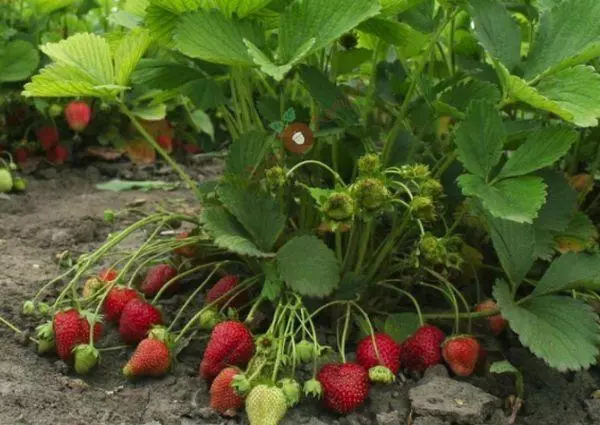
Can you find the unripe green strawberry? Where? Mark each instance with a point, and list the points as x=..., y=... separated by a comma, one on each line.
x=370, y=193
x=306, y=351
x=45, y=337
x=208, y=319
x=266, y=405
x=369, y=164
x=6, y=181
x=19, y=184
x=291, y=390
x=313, y=388
x=28, y=308
x=86, y=357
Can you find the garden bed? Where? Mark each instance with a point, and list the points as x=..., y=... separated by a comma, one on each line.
x=64, y=212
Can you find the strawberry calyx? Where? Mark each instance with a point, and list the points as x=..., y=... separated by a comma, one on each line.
x=382, y=375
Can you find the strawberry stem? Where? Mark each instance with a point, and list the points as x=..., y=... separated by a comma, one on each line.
x=342, y=346
x=404, y=292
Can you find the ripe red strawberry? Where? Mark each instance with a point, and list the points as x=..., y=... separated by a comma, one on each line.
x=156, y=278
x=186, y=250
x=116, y=300
x=78, y=115
x=192, y=148
x=48, y=137
x=165, y=142
x=230, y=344
x=71, y=329
x=137, y=319
x=461, y=353
x=496, y=323
x=345, y=386
x=389, y=352
x=58, y=155
x=423, y=349
x=223, y=397
x=150, y=358
x=108, y=275
x=222, y=287
x=21, y=155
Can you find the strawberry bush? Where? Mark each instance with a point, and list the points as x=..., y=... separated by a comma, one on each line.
x=386, y=160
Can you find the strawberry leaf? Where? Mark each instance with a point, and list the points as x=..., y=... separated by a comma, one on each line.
x=571, y=271
x=562, y=331
x=309, y=267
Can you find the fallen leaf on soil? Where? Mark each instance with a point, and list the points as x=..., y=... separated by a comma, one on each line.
x=123, y=185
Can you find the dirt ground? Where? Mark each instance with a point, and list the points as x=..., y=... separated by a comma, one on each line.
x=64, y=211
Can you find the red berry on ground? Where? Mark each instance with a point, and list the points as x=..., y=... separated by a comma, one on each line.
x=496, y=323
x=116, y=300
x=150, y=358
x=48, y=137
x=345, y=386
x=461, y=353
x=71, y=329
x=223, y=397
x=58, y=155
x=137, y=318
x=230, y=344
x=78, y=115
x=225, y=285
x=165, y=142
x=21, y=155
x=156, y=277
x=423, y=349
x=389, y=352
x=108, y=275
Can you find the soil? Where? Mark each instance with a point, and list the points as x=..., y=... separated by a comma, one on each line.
x=63, y=211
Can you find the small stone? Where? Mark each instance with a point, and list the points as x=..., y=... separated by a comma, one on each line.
x=452, y=400
x=395, y=394
x=593, y=408
x=439, y=370
x=61, y=367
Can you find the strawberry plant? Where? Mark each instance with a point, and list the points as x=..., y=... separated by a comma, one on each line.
x=381, y=156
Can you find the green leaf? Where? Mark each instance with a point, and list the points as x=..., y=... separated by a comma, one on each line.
x=277, y=72
x=577, y=91
x=151, y=112
x=128, y=54
x=125, y=19
x=309, y=267
x=570, y=271
x=241, y=8
x=561, y=203
x=125, y=185
x=520, y=90
x=273, y=285
x=328, y=95
x=351, y=286
x=396, y=33
x=499, y=34
x=247, y=152
x=164, y=75
x=256, y=211
x=204, y=93
x=518, y=199
x=461, y=95
x=202, y=123
x=400, y=326
x=229, y=234
x=179, y=6
x=46, y=7
x=289, y=116
x=505, y=366
x=542, y=149
x=395, y=7
x=320, y=20
x=514, y=244
x=568, y=34
x=480, y=138
x=211, y=36
x=136, y=7
x=162, y=24
x=18, y=60
x=83, y=66
x=560, y=330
